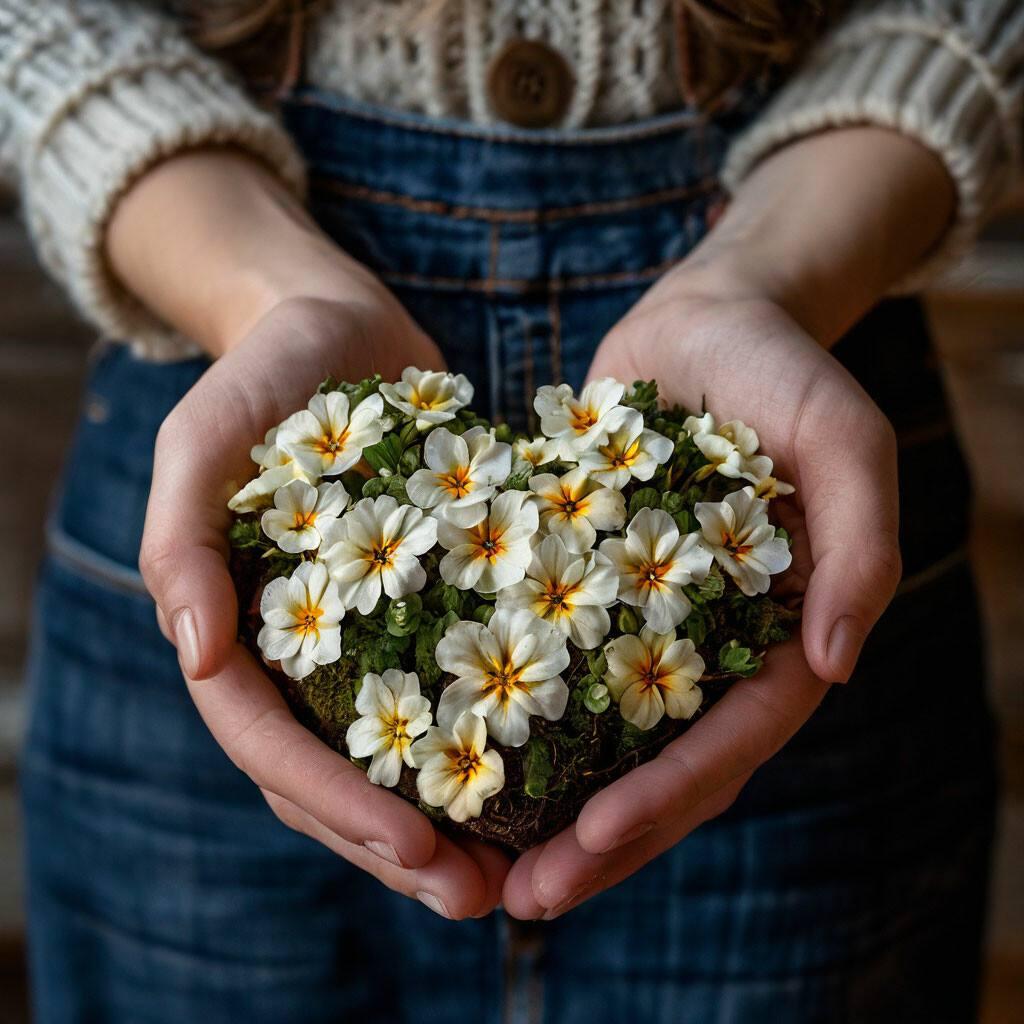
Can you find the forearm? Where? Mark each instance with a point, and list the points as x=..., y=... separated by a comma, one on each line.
x=210, y=241
x=825, y=226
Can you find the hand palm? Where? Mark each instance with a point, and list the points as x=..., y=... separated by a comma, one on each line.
x=749, y=361
x=202, y=446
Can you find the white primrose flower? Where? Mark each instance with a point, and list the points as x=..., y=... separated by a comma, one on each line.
x=493, y=553
x=376, y=546
x=769, y=488
x=456, y=771
x=259, y=492
x=744, y=544
x=652, y=675
x=630, y=451
x=580, y=423
x=301, y=615
x=392, y=714
x=267, y=455
x=571, y=591
x=731, y=449
x=528, y=455
x=301, y=512
x=327, y=437
x=574, y=507
x=654, y=563
x=506, y=671
x=277, y=469
x=429, y=396
x=462, y=474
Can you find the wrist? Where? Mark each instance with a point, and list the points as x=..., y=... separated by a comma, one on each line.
x=211, y=241
x=824, y=227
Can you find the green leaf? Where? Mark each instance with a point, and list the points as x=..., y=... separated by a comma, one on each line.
x=627, y=620
x=385, y=454
x=246, y=533
x=537, y=767
x=518, y=481
x=483, y=612
x=685, y=521
x=696, y=627
x=396, y=488
x=597, y=698
x=410, y=461
x=643, y=396
x=733, y=658
x=645, y=497
x=672, y=502
x=713, y=585
x=453, y=599
x=403, y=615
x=374, y=487
x=597, y=662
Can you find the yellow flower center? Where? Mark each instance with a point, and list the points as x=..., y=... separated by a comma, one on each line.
x=330, y=444
x=457, y=482
x=307, y=621
x=302, y=520
x=651, y=677
x=382, y=555
x=732, y=544
x=571, y=505
x=487, y=543
x=619, y=459
x=651, y=573
x=397, y=731
x=582, y=419
x=465, y=765
x=502, y=679
x=421, y=401
x=557, y=600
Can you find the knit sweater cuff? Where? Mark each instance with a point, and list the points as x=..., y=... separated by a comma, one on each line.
x=930, y=81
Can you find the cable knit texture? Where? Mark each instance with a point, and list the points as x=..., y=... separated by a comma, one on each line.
x=432, y=56
x=949, y=73
x=92, y=92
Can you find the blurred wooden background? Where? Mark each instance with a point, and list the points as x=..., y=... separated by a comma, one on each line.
x=978, y=318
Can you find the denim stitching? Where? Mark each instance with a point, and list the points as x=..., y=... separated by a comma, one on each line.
x=458, y=211
x=528, y=286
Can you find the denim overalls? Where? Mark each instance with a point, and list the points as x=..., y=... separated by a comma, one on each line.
x=847, y=883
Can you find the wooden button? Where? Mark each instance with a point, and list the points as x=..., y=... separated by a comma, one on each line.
x=529, y=84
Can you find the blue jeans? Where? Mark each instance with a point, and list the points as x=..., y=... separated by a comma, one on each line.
x=848, y=881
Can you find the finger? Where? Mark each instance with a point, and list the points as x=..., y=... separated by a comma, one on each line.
x=184, y=550
x=494, y=867
x=746, y=727
x=561, y=874
x=517, y=895
x=846, y=453
x=450, y=883
x=249, y=718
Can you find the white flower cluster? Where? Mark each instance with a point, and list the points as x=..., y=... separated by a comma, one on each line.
x=554, y=558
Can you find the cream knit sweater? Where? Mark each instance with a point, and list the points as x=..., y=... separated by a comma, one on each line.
x=94, y=91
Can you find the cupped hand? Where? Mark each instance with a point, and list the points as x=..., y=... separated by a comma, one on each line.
x=748, y=360
x=201, y=457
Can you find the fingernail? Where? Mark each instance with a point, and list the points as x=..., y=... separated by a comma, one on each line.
x=165, y=628
x=843, y=647
x=385, y=850
x=629, y=835
x=186, y=639
x=570, y=900
x=429, y=900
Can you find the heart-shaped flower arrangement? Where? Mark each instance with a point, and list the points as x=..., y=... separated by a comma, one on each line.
x=494, y=625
